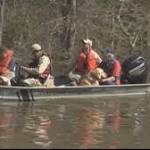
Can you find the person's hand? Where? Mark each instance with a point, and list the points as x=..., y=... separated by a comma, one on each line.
x=103, y=80
x=23, y=67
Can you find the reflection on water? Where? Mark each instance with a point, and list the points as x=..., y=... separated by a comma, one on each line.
x=90, y=122
x=5, y=127
x=40, y=129
x=121, y=122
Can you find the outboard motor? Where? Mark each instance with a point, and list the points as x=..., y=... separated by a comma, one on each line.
x=134, y=70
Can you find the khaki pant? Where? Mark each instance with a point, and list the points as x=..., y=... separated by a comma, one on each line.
x=32, y=82
x=35, y=82
x=49, y=82
x=74, y=76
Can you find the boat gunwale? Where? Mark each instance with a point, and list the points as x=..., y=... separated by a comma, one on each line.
x=75, y=87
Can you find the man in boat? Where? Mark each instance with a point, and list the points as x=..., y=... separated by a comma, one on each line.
x=87, y=61
x=39, y=70
x=7, y=65
x=113, y=70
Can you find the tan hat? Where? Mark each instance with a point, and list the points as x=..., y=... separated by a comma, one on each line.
x=36, y=47
x=87, y=41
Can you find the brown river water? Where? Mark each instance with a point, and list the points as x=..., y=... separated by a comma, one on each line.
x=106, y=122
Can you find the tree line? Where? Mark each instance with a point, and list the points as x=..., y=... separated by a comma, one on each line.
x=59, y=26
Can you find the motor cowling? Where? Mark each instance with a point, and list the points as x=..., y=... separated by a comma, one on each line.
x=134, y=70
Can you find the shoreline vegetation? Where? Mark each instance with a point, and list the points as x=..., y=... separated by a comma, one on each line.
x=58, y=26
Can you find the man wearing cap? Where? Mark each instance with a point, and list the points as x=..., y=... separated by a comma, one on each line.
x=115, y=72
x=40, y=70
x=87, y=61
x=88, y=58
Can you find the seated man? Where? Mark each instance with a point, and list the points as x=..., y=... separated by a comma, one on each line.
x=114, y=73
x=6, y=66
x=40, y=69
x=86, y=62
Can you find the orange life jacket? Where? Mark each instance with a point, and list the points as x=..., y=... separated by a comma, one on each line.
x=81, y=63
x=86, y=63
x=4, y=62
x=91, y=61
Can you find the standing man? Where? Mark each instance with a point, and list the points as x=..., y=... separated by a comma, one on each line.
x=115, y=72
x=40, y=71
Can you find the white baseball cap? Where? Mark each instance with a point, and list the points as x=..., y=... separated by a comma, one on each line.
x=88, y=41
x=36, y=47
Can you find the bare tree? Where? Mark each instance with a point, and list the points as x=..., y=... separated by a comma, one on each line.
x=70, y=26
x=2, y=7
x=147, y=53
x=60, y=25
x=132, y=37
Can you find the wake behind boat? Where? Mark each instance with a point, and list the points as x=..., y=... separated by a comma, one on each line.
x=21, y=93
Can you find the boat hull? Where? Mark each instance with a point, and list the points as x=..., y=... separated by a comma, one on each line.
x=39, y=93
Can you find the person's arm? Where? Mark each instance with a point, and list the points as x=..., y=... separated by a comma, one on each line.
x=8, y=54
x=29, y=70
x=43, y=64
x=97, y=57
x=112, y=78
x=117, y=72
